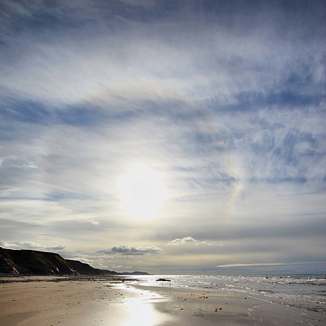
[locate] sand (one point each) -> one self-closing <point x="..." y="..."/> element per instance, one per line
<point x="217" y="307"/>
<point x="52" y="303"/>
<point x="87" y="302"/>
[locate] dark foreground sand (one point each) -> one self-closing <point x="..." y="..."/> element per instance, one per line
<point x="103" y="302"/>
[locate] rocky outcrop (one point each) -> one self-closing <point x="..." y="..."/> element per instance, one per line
<point x="32" y="262"/>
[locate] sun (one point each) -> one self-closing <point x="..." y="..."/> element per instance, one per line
<point x="142" y="191"/>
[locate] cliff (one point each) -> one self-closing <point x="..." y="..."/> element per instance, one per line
<point x="32" y="262"/>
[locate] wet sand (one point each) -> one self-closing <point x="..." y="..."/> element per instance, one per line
<point x="78" y="302"/>
<point x="105" y="302"/>
<point x="217" y="307"/>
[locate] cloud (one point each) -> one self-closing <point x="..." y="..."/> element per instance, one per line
<point x="31" y="246"/>
<point x="130" y="251"/>
<point x="229" y="109"/>
<point x="143" y="3"/>
<point x="185" y="241"/>
<point x="160" y="66"/>
<point x="249" y="265"/>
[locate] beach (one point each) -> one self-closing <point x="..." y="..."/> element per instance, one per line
<point x="51" y="302"/>
<point x="196" y="307"/>
<point x="102" y="301"/>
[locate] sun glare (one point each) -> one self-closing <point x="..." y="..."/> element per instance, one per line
<point x="142" y="191"/>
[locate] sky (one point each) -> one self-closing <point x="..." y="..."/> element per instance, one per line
<point x="165" y="136"/>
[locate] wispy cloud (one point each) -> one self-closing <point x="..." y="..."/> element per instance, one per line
<point x="130" y="251"/>
<point x="31" y="246"/>
<point x="187" y="241"/>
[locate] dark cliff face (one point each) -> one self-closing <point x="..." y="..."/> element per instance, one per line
<point x="31" y="262"/>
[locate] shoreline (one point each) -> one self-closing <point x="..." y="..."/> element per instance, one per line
<point x="62" y="278"/>
<point x="108" y="301"/>
<point x="209" y="307"/>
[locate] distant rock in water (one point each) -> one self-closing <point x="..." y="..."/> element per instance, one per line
<point x="163" y="280"/>
<point x="32" y="262"/>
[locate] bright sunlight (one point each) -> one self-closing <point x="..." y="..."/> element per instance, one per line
<point x="142" y="191"/>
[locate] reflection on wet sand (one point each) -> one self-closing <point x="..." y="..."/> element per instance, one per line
<point x="103" y="303"/>
<point x="137" y="309"/>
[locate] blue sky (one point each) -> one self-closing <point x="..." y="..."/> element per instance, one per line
<point x="214" y="111"/>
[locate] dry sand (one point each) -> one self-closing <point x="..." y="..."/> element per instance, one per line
<point x="101" y="302"/>
<point x="41" y="303"/>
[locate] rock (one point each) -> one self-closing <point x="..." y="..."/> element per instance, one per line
<point x="163" y="280"/>
<point x="203" y="297"/>
<point x="33" y="262"/>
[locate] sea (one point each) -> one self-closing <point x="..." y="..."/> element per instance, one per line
<point x="301" y="291"/>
